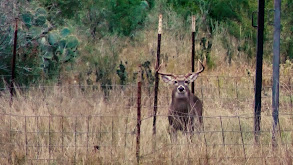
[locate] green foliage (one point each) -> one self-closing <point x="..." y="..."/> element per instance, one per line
<point x="27" y="18"/>
<point x="205" y="52"/>
<point x="27" y="60"/>
<point x="225" y="9"/>
<point x="61" y="9"/>
<point x="61" y="48"/>
<point x="234" y="15"/>
<point x="126" y="16"/>
<point x="40" y="48"/>
<point x="121" y="72"/>
<point x="287" y="30"/>
<point x="234" y="29"/>
<point x="102" y="65"/>
<point x="40" y="20"/>
<point x="146" y="70"/>
<point x="226" y="44"/>
<point x="71" y="42"/>
<point x="53" y="37"/>
<point x="185" y="7"/>
<point x="37" y="17"/>
<point x="65" y="32"/>
<point x="46" y="45"/>
<point x="40" y="12"/>
<point x="118" y="16"/>
<point x="290" y="50"/>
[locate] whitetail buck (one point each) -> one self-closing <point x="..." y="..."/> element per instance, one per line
<point x="185" y="106"/>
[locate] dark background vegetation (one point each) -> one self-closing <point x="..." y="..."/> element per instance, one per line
<point x="86" y="37"/>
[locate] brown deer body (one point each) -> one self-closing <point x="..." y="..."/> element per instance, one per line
<point x="185" y="106"/>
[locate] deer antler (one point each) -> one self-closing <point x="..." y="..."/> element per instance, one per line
<point x="202" y="69"/>
<point x="166" y="74"/>
<point x="199" y="71"/>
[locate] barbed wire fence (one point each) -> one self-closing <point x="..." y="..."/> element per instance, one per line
<point x="71" y="138"/>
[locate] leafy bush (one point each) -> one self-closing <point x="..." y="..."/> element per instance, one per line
<point x="118" y="16"/>
<point x="121" y="72"/>
<point x="62" y="9"/>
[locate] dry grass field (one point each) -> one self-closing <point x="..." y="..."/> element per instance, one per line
<point x="80" y="125"/>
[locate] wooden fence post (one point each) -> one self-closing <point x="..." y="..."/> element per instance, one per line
<point x="157" y="75"/>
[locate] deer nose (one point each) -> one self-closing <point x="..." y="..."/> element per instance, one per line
<point x="181" y="88"/>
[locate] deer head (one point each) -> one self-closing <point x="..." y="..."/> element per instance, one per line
<point x="181" y="82"/>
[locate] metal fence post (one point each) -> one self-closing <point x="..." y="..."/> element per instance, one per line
<point x="193" y="50"/>
<point x="258" y="75"/>
<point x="276" y="69"/>
<point x="138" y="116"/>
<point x="13" y="61"/>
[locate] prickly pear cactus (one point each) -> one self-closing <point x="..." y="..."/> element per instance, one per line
<point x="62" y="44"/>
<point x="42" y="48"/>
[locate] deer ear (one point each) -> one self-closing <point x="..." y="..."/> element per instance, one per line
<point x="167" y="79"/>
<point x="192" y="77"/>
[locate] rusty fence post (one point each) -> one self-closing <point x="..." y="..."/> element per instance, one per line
<point x="75" y="140"/>
<point x="157" y="74"/>
<point x="25" y="136"/>
<point x="50" y="140"/>
<point x="138" y="116"/>
<point x="291" y="95"/>
<point x="193" y="50"/>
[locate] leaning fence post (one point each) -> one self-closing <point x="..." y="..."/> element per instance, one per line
<point x="13" y="61"/>
<point x="157" y="74"/>
<point x="193" y="50"/>
<point x="223" y="136"/>
<point x="138" y="115"/>
<point x="241" y="132"/>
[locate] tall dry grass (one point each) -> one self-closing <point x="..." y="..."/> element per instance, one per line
<point x="74" y="125"/>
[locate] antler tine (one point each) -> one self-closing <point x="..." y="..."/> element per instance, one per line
<point x="166" y="74"/>
<point x="198" y="72"/>
<point x="202" y="69"/>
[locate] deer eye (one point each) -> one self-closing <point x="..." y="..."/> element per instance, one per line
<point x="175" y="82"/>
<point x="186" y="82"/>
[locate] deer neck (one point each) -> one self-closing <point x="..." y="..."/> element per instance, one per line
<point x="181" y="105"/>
